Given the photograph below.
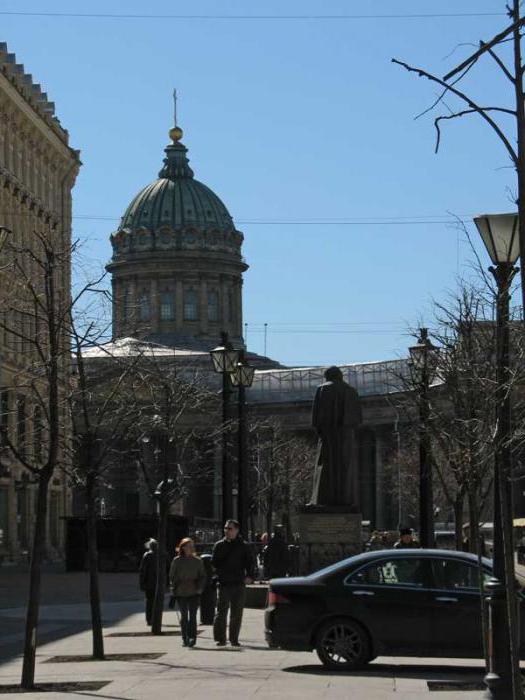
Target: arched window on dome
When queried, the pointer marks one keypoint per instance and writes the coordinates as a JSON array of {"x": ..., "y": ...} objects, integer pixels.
[
  {"x": 191, "y": 305},
  {"x": 144, "y": 306},
  {"x": 213, "y": 305},
  {"x": 167, "y": 306}
]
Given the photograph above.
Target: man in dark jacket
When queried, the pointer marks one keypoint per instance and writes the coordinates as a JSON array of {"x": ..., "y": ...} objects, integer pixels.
[
  {"x": 275, "y": 556},
  {"x": 148, "y": 576},
  {"x": 406, "y": 539},
  {"x": 234, "y": 565}
]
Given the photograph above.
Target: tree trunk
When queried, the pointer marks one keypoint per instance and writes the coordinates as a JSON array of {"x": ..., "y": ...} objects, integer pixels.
[
  {"x": 92, "y": 547},
  {"x": 35, "y": 577},
  {"x": 458, "y": 520},
  {"x": 158, "y": 605},
  {"x": 473, "y": 514}
]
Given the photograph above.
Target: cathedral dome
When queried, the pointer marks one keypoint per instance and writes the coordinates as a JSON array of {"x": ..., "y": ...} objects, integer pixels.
[
  {"x": 176, "y": 213},
  {"x": 176, "y": 199},
  {"x": 177, "y": 262}
]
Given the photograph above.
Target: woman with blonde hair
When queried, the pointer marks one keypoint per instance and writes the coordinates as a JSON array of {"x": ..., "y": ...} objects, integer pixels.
[{"x": 187, "y": 581}]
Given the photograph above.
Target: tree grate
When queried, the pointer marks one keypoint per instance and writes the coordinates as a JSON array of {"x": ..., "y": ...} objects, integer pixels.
[
  {"x": 59, "y": 687},
  {"x": 456, "y": 685},
  {"x": 64, "y": 659}
]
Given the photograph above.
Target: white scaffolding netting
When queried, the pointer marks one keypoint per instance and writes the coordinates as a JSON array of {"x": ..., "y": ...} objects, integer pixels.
[{"x": 300, "y": 383}]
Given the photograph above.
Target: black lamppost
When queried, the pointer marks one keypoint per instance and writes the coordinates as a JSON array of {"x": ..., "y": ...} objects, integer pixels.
[
  {"x": 225, "y": 359},
  {"x": 423, "y": 358},
  {"x": 501, "y": 238},
  {"x": 243, "y": 379}
]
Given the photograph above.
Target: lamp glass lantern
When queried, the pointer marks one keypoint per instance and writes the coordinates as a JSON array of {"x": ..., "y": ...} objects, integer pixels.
[
  {"x": 500, "y": 235},
  {"x": 243, "y": 375},
  {"x": 225, "y": 359},
  {"x": 424, "y": 356}
]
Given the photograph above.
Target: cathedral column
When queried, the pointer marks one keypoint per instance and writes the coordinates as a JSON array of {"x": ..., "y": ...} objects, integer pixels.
[
  {"x": 154, "y": 305},
  {"x": 130, "y": 306},
  {"x": 179, "y": 304},
  {"x": 203, "y": 315},
  {"x": 224, "y": 305},
  {"x": 238, "y": 310}
]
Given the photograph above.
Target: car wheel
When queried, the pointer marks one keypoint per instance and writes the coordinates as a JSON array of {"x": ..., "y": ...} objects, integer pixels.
[{"x": 343, "y": 644}]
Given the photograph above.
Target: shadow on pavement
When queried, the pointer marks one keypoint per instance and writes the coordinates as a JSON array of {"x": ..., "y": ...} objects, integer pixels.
[{"x": 381, "y": 670}]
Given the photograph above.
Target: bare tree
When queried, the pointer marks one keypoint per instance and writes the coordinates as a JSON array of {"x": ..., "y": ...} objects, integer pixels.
[
  {"x": 507, "y": 122},
  {"x": 174, "y": 407},
  {"x": 461, "y": 419},
  {"x": 102, "y": 420},
  {"x": 37, "y": 308},
  {"x": 280, "y": 471}
]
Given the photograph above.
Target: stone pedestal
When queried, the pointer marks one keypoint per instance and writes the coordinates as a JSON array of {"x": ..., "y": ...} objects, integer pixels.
[{"x": 327, "y": 535}]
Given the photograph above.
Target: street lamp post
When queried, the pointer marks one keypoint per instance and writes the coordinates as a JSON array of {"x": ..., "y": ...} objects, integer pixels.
[
  {"x": 225, "y": 360},
  {"x": 423, "y": 362},
  {"x": 242, "y": 378},
  {"x": 500, "y": 235}
]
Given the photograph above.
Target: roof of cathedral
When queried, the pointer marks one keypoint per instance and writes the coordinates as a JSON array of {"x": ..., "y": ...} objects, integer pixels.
[
  {"x": 176, "y": 200},
  {"x": 135, "y": 347}
]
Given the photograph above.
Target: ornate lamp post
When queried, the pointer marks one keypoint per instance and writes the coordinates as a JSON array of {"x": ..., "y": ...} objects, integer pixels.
[
  {"x": 423, "y": 360},
  {"x": 500, "y": 235},
  {"x": 225, "y": 360},
  {"x": 243, "y": 379}
]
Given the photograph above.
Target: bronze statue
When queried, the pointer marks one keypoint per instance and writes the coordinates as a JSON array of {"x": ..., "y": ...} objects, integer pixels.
[{"x": 336, "y": 416}]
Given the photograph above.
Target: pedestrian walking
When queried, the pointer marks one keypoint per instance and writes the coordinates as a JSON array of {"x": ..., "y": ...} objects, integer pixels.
[
  {"x": 148, "y": 576},
  {"x": 234, "y": 565},
  {"x": 187, "y": 580},
  {"x": 275, "y": 555}
]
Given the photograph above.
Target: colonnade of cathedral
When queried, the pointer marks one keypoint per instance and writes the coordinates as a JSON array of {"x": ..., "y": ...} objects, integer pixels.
[{"x": 157, "y": 306}]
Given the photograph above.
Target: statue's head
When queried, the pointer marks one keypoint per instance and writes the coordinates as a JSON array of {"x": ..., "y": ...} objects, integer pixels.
[{"x": 333, "y": 374}]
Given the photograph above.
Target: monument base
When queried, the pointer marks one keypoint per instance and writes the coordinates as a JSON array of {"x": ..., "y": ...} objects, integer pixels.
[{"x": 327, "y": 535}]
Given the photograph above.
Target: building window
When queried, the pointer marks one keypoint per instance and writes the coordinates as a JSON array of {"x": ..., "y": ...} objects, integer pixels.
[
  {"x": 21, "y": 425},
  {"x": 213, "y": 305},
  {"x": 191, "y": 307},
  {"x": 144, "y": 306},
  {"x": 167, "y": 306}
]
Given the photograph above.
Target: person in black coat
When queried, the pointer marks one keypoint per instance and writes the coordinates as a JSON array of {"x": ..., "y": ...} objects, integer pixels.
[
  {"x": 148, "y": 576},
  {"x": 275, "y": 556},
  {"x": 234, "y": 566}
]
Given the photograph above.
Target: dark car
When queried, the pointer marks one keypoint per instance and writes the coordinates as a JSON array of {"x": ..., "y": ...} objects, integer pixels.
[{"x": 404, "y": 602}]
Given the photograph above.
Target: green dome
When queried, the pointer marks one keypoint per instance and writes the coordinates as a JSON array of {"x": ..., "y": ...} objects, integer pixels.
[{"x": 176, "y": 200}]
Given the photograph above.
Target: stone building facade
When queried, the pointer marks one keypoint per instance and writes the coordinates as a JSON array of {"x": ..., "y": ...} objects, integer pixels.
[{"x": 38, "y": 169}]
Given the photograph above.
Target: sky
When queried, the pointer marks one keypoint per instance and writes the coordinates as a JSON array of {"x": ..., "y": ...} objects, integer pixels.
[{"x": 306, "y": 131}]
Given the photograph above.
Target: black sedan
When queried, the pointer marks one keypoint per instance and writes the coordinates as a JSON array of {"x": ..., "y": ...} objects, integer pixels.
[{"x": 404, "y": 602}]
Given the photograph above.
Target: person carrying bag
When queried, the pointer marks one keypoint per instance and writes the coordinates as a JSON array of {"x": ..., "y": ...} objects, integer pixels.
[{"x": 187, "y": 580}]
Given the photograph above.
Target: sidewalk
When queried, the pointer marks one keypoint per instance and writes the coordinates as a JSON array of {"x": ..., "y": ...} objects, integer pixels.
[{"x": 207, "y": 672}]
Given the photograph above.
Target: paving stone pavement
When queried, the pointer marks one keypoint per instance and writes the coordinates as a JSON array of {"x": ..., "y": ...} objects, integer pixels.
[{"x": 253, "y": 672}]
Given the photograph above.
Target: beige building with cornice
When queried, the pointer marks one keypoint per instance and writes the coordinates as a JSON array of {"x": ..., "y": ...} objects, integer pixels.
[{"x": 38, "y": 169}]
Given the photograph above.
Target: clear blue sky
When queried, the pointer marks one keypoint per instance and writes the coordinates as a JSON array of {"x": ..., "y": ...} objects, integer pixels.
[{"x": 285, "y": 120}]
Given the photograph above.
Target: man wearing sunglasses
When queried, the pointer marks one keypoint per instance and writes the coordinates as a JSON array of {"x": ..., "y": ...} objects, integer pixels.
[{"x": 234, "y": 565}]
